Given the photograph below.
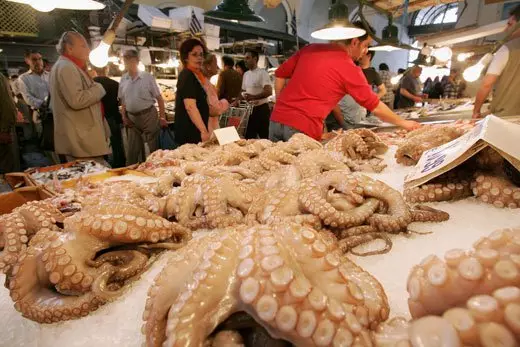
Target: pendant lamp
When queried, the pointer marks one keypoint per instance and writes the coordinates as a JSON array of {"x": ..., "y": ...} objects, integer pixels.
[
  {"x": 390, "y": 40},
  {"x": 49, "y": 5},
  {"x": 238, "y": 10},
  {"x": 339, "y": 26}
]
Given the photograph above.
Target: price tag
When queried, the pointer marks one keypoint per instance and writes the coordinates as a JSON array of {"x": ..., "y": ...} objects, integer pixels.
[{"x": 226, "y": 135}]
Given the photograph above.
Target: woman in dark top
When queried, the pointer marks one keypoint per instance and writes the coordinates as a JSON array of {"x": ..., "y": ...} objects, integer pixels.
[{"x": 191, "y": 106}]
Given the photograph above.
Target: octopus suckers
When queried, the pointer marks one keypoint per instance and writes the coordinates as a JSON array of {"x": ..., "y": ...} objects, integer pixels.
[
  {"x": 249, "y": 290},
  {"x": 306, "y": 324}
]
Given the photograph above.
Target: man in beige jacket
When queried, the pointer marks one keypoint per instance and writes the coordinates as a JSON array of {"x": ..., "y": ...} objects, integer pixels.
[{"x": 80, "y": 130}]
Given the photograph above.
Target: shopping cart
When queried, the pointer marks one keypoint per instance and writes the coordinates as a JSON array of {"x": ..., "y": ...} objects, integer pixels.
[{"x": 238, "y": 117}]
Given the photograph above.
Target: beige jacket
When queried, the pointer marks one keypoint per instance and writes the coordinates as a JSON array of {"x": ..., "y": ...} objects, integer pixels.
[{"x": 79, "y": 127}]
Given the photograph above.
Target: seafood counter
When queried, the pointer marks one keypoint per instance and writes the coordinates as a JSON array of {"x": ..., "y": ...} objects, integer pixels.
[{"x": 264, "y": 244}]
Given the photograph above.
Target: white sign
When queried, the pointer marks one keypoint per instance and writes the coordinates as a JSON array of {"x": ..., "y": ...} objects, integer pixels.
[
  {"x": 492, "y": 131},
  {"x": 226, "y": 135}
]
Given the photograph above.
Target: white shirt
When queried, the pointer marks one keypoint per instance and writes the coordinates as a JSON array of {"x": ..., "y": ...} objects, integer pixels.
[
  {"x": 140, "y": 93},
  {"x": 254, "y": 82},
  {"x": 34, "y": 88},
  {"x": 499, "y": 62}
]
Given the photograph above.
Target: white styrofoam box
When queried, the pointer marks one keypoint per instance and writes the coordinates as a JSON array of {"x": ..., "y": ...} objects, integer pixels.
[
  {"x": 211, "y": 30},
  {"x": 262, "y": 61},
  {"x": 212, "y": 43},
  {"x": 184, "y": 13},
  {"x": 180, "y": 24},
  {"x": 153, "y": 17}
]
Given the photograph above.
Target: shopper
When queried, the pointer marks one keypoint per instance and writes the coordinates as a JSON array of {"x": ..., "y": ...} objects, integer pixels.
[
  {"x": 216, "y": 106},
  {"x": 451, "y": 87},
  {"x": 8, "y": 113},
  {"x": 503, "y": 75},
  {"x": 241, "y": 67},
  {"x": 34, "y": 84},
  {"x": 257, "y": 87},
  {"x": 352, "y": 112},
  {"x": 138, "y": 93},
  {"x": 397, "y": 96},
  {"x": 410, "y": 88},
  {"x": 229, "y": 83},
  {"x": 386, "y": 76},
  {"x": 113, "y": 117},
  {"x": 191, "y": 104},
  {"x": 80, "y": 131},
  {"x": 320, "y": 75}
]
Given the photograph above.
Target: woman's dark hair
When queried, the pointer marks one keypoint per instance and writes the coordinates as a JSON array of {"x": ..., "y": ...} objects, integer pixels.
[
  {"x": 241, "y": 64},
  {"x": 383, "y": 67},
  {"x": 515, "y": 12},
  {"x": 228, "y": 61},
  {"x": 188, "y": 46},
  {"x": 400, "y": 71}
]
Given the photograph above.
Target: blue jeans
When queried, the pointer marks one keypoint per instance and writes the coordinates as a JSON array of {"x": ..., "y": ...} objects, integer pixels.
[{"x": 281, "y": 132}]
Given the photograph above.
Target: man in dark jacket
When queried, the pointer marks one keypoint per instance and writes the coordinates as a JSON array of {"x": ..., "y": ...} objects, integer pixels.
[{"x": 113, "y": 117}]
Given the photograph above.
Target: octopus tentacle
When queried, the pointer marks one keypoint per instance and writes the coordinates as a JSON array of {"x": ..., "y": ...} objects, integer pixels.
[
  {"x": 399, "y": 213},
  {"x": 496, "y": 190},
  {"x": 422, "y": 213},
  {"x": 435, "y": 285},
  {"x": 485, "y": 320},
  {"x": 350, "y": 242}
]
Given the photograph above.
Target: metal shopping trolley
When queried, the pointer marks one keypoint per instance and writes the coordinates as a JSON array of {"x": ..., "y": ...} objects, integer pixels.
[{"x": 237, "y": 117}]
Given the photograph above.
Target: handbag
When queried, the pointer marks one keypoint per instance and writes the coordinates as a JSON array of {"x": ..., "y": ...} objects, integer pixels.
[{"x": 167, "y": 139}]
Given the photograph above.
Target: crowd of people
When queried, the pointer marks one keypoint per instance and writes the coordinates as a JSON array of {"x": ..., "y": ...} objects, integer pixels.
[{"x": 71, "y": 113}]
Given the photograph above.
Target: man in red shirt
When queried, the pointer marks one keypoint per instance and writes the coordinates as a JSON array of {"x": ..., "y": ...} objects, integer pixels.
[{"x": 320, "y": 75}]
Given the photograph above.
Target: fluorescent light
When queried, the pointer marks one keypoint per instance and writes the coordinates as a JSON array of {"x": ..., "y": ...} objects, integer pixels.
[{"x": 49, "y": 5}]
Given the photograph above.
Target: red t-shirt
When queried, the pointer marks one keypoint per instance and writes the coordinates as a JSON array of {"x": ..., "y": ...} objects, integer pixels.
[{"x": 320, "y": 76}]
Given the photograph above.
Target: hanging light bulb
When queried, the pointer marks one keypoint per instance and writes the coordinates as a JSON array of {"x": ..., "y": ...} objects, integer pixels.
[
  {"x": 443, "y": 53},
  {"x": 44, "y": 5},
  {"x": 396, "y": 79},
  {"x": 141, "y": 66},
  {"x": 339, "y": 26},
  {"x": 99, "y": 56},
  {"x": 472, "y": 73},
  {"x": 464, "y": 56}
]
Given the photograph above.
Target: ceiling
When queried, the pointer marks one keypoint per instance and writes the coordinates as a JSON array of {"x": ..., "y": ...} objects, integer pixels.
[{"x": 395, "y": 6}]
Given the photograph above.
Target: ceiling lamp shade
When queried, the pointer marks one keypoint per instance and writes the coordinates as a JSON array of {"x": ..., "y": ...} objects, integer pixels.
[
  {"x": 234, "y": 10},
  {"x": 49, "y": 5},
  {"x": 339, "y": 27},
  {"x": 390, "y": 40},
  {"x": 385, "y": 48}
]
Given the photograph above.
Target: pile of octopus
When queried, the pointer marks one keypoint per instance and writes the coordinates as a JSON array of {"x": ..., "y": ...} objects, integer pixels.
[{"x": 258, "y": 243}]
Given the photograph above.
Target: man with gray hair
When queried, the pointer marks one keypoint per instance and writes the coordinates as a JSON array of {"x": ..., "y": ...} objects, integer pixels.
[
  {"x": 138, "y": 92},
  {"x": 80, "y": 130}
]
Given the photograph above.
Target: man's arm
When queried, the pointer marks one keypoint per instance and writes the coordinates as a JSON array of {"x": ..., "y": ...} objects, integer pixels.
[
  {"x": 32, "y": 101},
  {"x": 386, "y": 115},
  {"x": 279, "y": 85},
  {"x": 267, "y": 92},
  {"x": 409, "y": 95},
  {"x": 381, "y": 90},
  {"x": 162, "y": 111},
  {"x": 338, "y": 115},
  {"x": 482, "y": 94}
]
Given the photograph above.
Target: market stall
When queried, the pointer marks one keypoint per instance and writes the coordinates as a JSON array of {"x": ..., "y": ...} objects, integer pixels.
[{"x": 300, "y": 170}]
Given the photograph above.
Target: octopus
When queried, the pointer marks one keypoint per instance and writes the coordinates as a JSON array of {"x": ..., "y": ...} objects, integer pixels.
[
  {"x": 355, "y": 207},
  {"x": 292, "y": 280},
  {"x": 294, "y": 283},
  {"x": 488, "y": 177},
  {"x": 67, "y": 273},
  {"x": 419, "y": 141},
  {"x": 18, "y": 227}
]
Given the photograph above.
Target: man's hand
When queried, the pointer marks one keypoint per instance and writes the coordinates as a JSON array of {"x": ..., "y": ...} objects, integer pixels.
[
  {"x": 248, "y": 97},
  {"x": 6, "y": 138},
  {"x": 418, "y": 99},
  {"x": 163, "y": 122},
  {"x": 128, "y": 123},
  {"x": 476, "y": 115},
  {"x": 205, "y": 136},
  {"x": 410, "y": 125}
]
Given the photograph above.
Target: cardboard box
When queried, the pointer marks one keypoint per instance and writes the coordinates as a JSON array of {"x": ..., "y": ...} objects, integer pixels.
[
  {"x": 498, "y": 133},
  {"x": 181, "y": 17}
]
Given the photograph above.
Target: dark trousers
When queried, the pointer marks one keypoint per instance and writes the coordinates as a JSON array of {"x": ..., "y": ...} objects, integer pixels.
[
  {"x": 116, "y": 142},
  {"x": 258, "y": 125}
]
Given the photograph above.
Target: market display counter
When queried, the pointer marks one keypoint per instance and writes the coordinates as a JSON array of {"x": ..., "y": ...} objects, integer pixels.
[{"x": 119, "y": 323}]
